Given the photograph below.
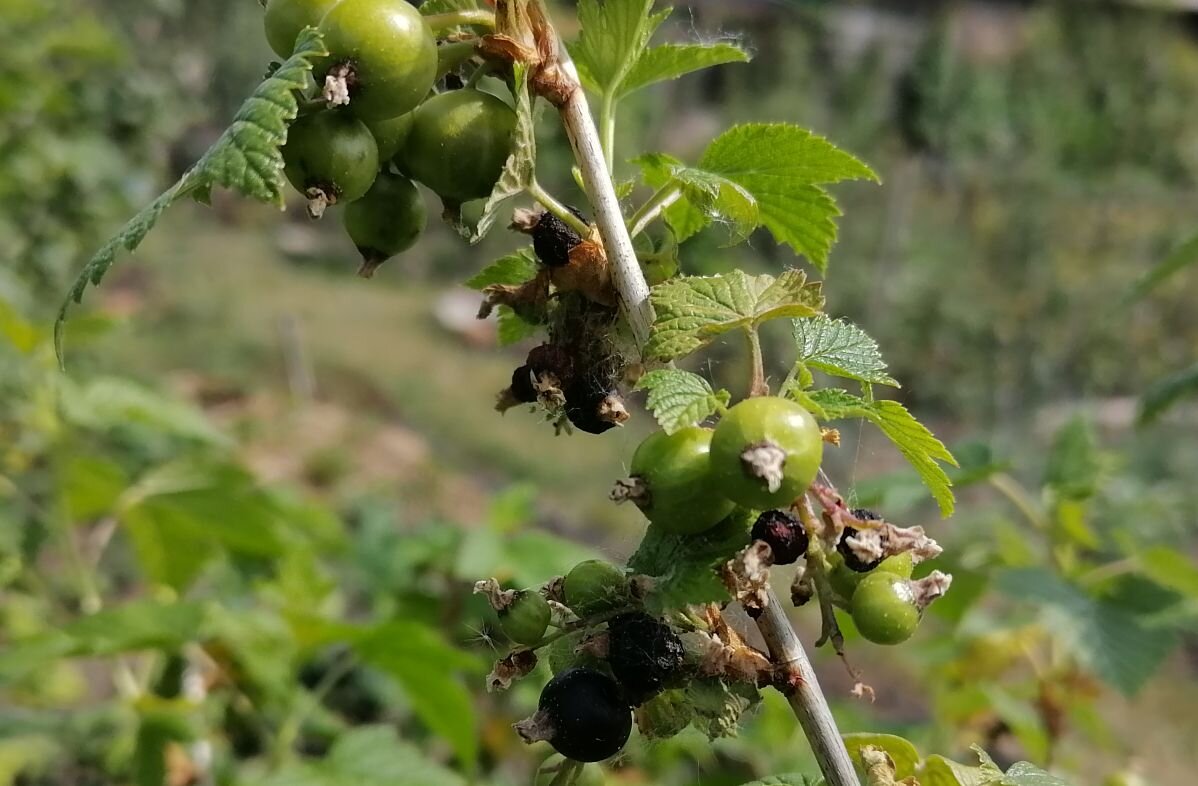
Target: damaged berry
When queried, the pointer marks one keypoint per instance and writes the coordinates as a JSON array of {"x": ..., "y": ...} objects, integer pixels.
[
  {"x": 785, "y": 534},
  {"x": 554, "y": 239},
  {"x": 672, "y": 482},
  {"x": 582, "y": 714},
  {"x": 765, "y": 452},
  {"x": 851, "y": 559},
  {"x": 593, "y": 409},
  {"x": 526, "y": 619},
  {"x": 643, "y": 653}
]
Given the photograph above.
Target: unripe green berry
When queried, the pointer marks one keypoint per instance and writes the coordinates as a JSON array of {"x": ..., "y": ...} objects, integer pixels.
[
  {"x": 595, "y": 586},
  {"x": 526, "y": 619},
  {"x": 884, "y": 608}
]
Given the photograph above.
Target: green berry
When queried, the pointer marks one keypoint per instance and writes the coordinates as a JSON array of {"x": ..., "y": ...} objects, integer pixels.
[
  {"x": 884, "y": 608},
  {"x": 459, "y": 144},
  {"x": 526, "y": 619},
  {"x": 595, "y": 586},
  {"x": 765, "y": 452},
  {"x": 675, "y": 474},
  {"x": 331, "y": 155},
  {"x": 285, "y": 19},
  {"x": 385, "y": 222},
  {"x": 386, "y": 51},
  {"x": 390, "y": 135}
]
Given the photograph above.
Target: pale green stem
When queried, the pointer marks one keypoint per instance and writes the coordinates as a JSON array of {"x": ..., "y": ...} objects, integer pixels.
[
  {"x": 450, "y": 56},
  {"x": 653, "y": 208},
  {"x": 441, "y": 22},
  {"x": 607, "y": 130},
  {"x": 555, "y": 207},
  {"x": 757, "y": 386}
]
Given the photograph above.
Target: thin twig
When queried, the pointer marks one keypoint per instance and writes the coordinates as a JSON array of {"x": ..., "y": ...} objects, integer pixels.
[
  {"x": 806, "y": 698},
  {"x": 627, "y": 277}
]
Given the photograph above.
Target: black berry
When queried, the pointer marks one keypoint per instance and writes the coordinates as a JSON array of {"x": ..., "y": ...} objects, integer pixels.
[
  {"x": 850, "y": 557},
  {"x": 643, "y": 654},
  {"x": 583, "y": 715},
  {"x": 522, "y": 388},
  {"x": 594, "y": 409},
  {"x": 784, "y": 533},
  {"x": 553, "y": 239}
]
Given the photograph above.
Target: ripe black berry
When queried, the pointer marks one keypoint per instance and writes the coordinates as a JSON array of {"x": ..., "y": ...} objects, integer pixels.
[
  {"x": 553, "y": 239},
  {"x": 643, "y": 654},
  {"x": 851, "y": 559},
  {"x": 784, "y": 533},
  {"x": 582, "y": 714}
]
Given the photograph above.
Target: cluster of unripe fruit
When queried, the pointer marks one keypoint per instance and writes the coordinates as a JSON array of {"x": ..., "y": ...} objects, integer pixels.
[
  {"x": 585, "y": 711},
  {"x": 379, "y": 124}
]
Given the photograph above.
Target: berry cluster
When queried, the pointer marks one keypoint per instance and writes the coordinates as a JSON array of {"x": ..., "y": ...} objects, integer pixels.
[{"x": 376, "y": 122}]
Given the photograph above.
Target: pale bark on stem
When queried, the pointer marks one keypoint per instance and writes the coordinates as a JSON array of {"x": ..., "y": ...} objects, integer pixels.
[
  {"x": 627, "y": 277},
  {"x": 806, "y": 698}
]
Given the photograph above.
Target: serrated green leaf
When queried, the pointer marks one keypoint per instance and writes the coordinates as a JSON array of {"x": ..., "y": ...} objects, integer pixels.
[
  {"x": 904, "y": 754},
  {"x": 613, "y": 54},
  {"x": 679, "y": 398},
  {"x": 513, "y": 328},
  {"x": 684, "y": 567},
  {"x": 614, "y": 35},
  {"x": 917, "y": 444},
  {"x": 671, "y": 61},
  {"x": 515, "y": 268},
  {"x": 247, "y": 158},
  {"x": 1165, "y": 392},
  {"x": 1103, "y": 636},
  {"x": 520, "y": 169},
  {"x": 1178, "y": 259},
  {"x": 782, "y": 167},
  {"x": 1022, "y": 773},
  {"x": 840, "y": 348},
  {"x": 939, "y": 771},
  {"x": 693, "y": 311},
  {"x": 717, "y": 198}
]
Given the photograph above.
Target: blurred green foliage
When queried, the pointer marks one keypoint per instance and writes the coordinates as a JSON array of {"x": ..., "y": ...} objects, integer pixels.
[{"x": 162, "y": 607}]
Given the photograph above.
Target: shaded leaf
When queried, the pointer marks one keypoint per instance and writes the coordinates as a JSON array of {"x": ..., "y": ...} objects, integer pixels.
[
  {"x": 1101, "y": 635},
  {"x": 684, "y": 566},
  {"x": 515, "y": 268},
  {"x": 1164, "y": 393},
  {"x": 1178, "y": 260}
]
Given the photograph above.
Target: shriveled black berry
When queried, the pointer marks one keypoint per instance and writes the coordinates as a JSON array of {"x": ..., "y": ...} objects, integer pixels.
[
  {"x": 643, "y": 653},
  {"x": 553, "y": 239},
  {"x": 850, "y": 557},
  {"x": 522, "y": 388},
  {"x": 582, "y": 714},
  {"x": 594, "y": 409},
  {"x": 784, "y": 533}
]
